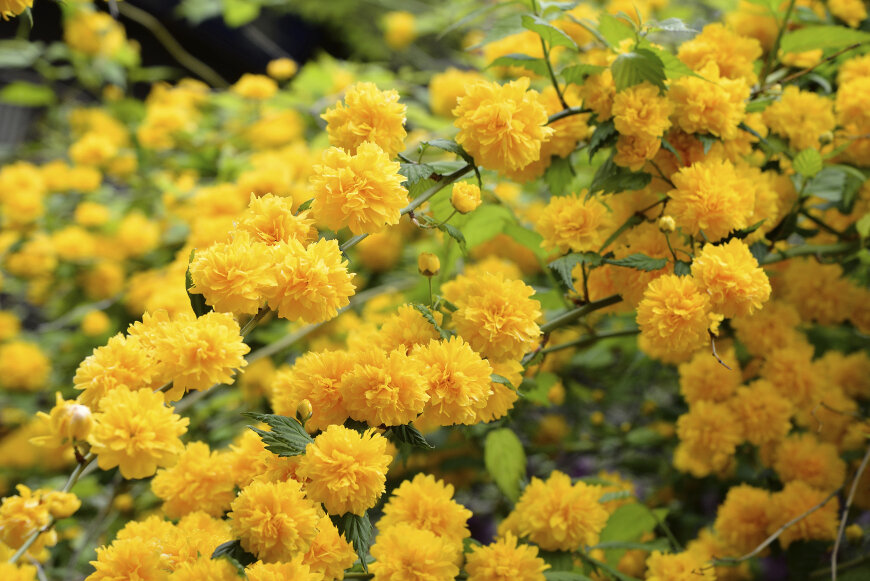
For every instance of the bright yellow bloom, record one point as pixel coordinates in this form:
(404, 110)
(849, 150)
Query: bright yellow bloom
(23, 366)
(598, 92)
(446, 88)
(502, 126)
(428, 264)
(384, 388)
(505, 560)
(711, 196)
(330, 554)
(234, 276)
(803, 457)
(282, 68)
(94, 33)
(685, 566)
(465, 197)
(574, 223)
(427, 504)
(362, 191)
(256, 87)
(710, 104)
(122, 362)
(399, 29)
(294, 570)
(559, 516)
(274, 520)
(346, 469)
(801, 116)
(406, 330)
(816, 290)
(791, 372)
(772, 327)
(269, 219)
(313, 282)
(633, 151)
(852, 12)
(11, 8)
(641, 110)
(794, 501)
(314, 377)
(67, 421)
(404, 553)
(367, 115)
(10, 324)
(709, 434)
(704, 378)
(95, 323)
(458, 381)
(200, 481)
(129, 559)
(764, 415)
(205, 568)
(731, 276)
(136, 432)
(742, 519)
(30, 510)
(735, 63)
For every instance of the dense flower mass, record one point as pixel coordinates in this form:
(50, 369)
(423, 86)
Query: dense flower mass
(367, 115)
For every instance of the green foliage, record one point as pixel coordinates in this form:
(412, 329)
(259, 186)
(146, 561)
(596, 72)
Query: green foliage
(565, 576)
(808, 162)
(427, 314)
(836, 183)
(633, 68)
(408, 434)
(287, 438)
(824, 37)
(611, 178)
(552, 35)
(576, 74)
(614, 30)
(564, 266)
(535, 65)
(453, 147)
(639, 262)
(233, 551)
(627, 524)
(357, 530)
(603, 136)
(559, 175)
(505, 461)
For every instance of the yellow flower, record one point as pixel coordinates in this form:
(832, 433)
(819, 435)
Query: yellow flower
(295, 570)
(94, 33)
(559, 516)
(11, 8)
(803, 457)
(852, 12)
(67, 421)
(711, 196)
(764, 415)
(446, 88)
(313, 282)
(128, 559)
(404, 553)
(363, 191)
(731, 276)
(137, 235)
(399, 29)
(771, 328)
(314, 377)
(30, 510)
(704, 378)
(574, 223)
(269, 219)
(816, 290)
(428, 264)
(234, 276)
(465, 197)
(674, 316)
(685, 566)
(497, 317)
(257, 87)
(384, 388)
(346, 469)
(93, 149)
(801, 116)
(795, 500)
(200, 481)
(330, 554)
(367, 115)
(282, 68)
(458, 381)
(792, 374)
(406, 330)
(502, 126)
(205, 568)
(505, 560)
(95, 323)
(136, 432)
(10, 324)
(709, 433)
(641, 110)
(427, 504)
(122, 362)
(633, 151)
(23, 366)
(274, 520)
(17, 571)
(742, 519)
(735, 63)
(710, 104)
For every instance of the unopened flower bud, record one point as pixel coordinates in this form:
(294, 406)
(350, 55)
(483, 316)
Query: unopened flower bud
(826, 137)
(282, 68)
(667, 224)
(465, 197)
(428, 264)
(304, 411)
(79, 422)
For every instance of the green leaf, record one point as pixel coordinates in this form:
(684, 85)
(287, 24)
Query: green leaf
(24, 94)
(537, 389)
(559, 175)
(627, 524)
(496, 378)
(656, 545)
(456, 234)
(415, 172)
(565, 576)
(603, 136)
(633, 68)
(453, 147)
(643, 437)
(672, 25)
(808, 162)
(613, 178)
(197, 301)
(836, 183)
(615, 495)
(744, 232)
(824, 37)
(287, 438)
(304, 206)
(564, 266)
(577, 74)
(707, 141)
(528, 238)
(614, 30)
(427, 314)
(666, 145)
(408, 434)
(357, 530)
(505, 461)
(863, 226)
(233, 551)
(19, 53)
(240, 12)
(639, 262)
(552, 35)
(560, 561)
(535, 65)
(682, 268)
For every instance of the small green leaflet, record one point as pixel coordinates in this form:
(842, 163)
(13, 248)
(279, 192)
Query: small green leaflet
(682, 268)
(416, 171)
(633, 68)
(357, 530)
(496, 378)
(456, 234)
(615, 495)
(197, 301)
(577, 74)
(559, 175)
(407, 434)
(613, 29)
(535, 65)
(547, 31)
(505, 461)
(639, 262)
(427, 314)
(613, 178)
(287, 438)
(233, 551)
(604, 135)
(453, 147)
(565, 265)
(822, 37)
(304, 206)
(808, 162)
(838, 184)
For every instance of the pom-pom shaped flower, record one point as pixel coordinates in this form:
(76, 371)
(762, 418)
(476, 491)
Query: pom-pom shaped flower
(367, 115)
(710, 104)
(502, 126)
(674, 315)
(764, 415)
(404, 553)
(794, 502)
(641, 110)
(709, 434)
(362, 191)
(330, 554)
(23, 366)
(633, 151)
(407, 329)
(384, 388)
(801, 116)
(704, 378)
(731, 276)
(293, 569)
(427, 504)
(315, 377)
(313, 282)
(735, 63)
(128, 559)
(257, 87)
(505, 560)
(559, 516)
(771, 328)
(200, 481)
(465, 197)
(136, 432)
(742, 519)
(205, 568)
(803, 457)
(269, 219)
(497, 316)
(711, 196)
(445, 89)
(459, 381)
(685, 566)
(274, 520)
(347, 470)
(573, 223)
(121, 362)
(234, 276)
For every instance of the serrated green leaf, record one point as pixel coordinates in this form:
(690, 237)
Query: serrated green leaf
(808, 162)
(415, 172)
(639, 262)
(453, 147)
(530, 63)
(408, 434)
(564, 266)
(836, 183)
(287, 438)
(672, 25)
(577, 74)
(197, 301)
(456, 234)
(744, 232)
(822, 37)
(559, 175)
(233, 551)
(552, 35)
(633, 68)
(614, 30)
(357, 530)
(613, 178)
(604, 135)
(427, 314)
(505, 461)
(682, 268)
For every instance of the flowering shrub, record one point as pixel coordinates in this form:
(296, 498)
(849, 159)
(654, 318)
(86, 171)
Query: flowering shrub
(584, 297)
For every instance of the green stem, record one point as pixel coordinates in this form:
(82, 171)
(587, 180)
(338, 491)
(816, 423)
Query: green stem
(587, 341)
(552, 74)
(806, 214)
(809, 250)
(567, 112)
(253, 321)
(569, 317)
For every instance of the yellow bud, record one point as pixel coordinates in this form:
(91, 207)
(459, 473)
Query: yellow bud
(854, 533)
(304, 411)
(428, 264)
(282, 69)
(826, 137)
(123, 502)
(667, 224)
(465, 197)
(79, 422)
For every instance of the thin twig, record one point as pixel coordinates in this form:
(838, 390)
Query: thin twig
(569, 317)
(771, 58)
(567, 112)
(552, 74)
(716, 355)
(587, 341)
(843, 520)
